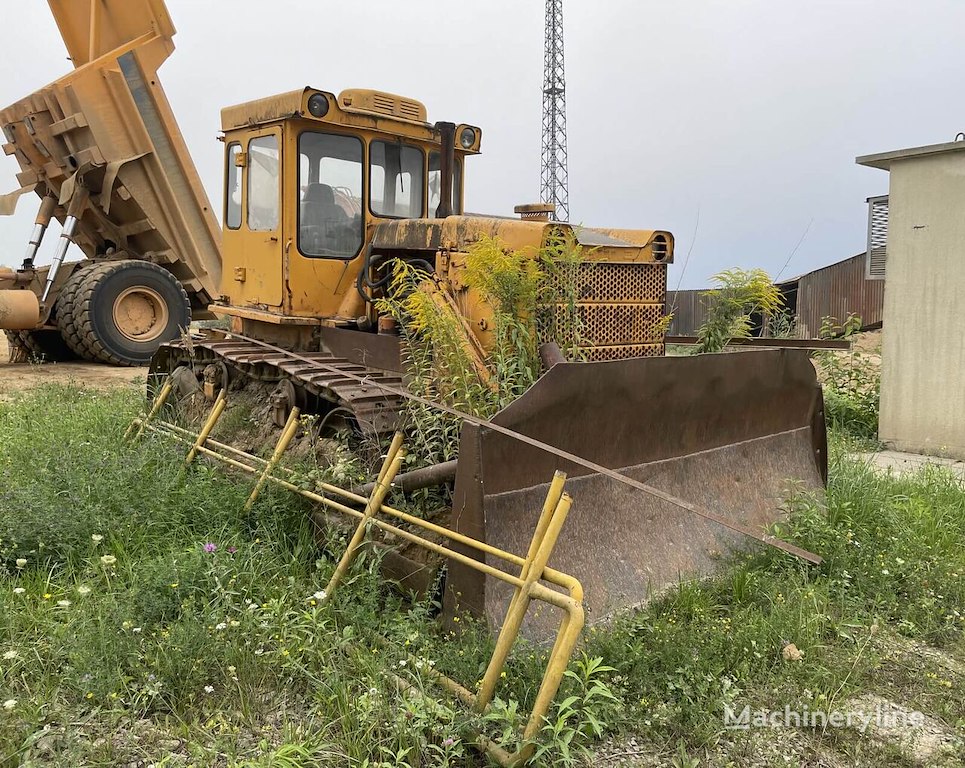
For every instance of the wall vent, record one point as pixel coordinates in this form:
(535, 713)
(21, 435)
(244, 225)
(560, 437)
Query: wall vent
(877, 237)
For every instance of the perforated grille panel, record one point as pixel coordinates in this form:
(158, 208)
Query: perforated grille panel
(607, 282)
(596, 354)
(613, 310)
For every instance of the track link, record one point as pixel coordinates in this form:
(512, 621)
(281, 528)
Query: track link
(333, 379)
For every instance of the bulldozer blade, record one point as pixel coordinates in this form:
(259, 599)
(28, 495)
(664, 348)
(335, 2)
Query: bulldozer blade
(730, 433)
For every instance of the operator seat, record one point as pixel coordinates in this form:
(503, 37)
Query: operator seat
(322, 220)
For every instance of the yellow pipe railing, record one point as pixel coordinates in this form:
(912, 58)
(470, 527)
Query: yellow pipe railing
(527, 584)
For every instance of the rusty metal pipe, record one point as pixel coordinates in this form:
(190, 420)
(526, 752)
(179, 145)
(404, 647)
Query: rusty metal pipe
(44, 215)
(550, 354)
(425, 477)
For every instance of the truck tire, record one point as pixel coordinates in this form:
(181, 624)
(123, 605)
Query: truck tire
(124, 310)
(66, 304)
(16, 352)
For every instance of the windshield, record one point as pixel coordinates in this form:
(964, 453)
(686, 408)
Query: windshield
(396, 180)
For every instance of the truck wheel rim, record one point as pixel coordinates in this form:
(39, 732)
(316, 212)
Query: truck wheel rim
(140, 314)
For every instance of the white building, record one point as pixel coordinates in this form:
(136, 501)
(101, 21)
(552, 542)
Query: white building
(923, 341)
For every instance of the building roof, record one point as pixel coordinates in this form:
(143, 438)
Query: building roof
(883, 160)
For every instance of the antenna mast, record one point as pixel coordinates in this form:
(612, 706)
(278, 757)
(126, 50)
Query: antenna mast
(555, 177)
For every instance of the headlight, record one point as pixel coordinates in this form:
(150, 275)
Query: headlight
(467, 138)
(318, 105)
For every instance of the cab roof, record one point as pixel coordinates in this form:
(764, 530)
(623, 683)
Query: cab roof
(354, 101)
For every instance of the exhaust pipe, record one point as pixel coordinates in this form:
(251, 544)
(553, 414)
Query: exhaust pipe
(447, 164)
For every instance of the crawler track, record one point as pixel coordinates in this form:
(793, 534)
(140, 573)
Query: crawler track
(375, 409)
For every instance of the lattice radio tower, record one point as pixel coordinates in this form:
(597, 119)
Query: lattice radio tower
(555, 177)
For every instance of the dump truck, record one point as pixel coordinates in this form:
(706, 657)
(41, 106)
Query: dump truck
(672, 462)
(102, 151)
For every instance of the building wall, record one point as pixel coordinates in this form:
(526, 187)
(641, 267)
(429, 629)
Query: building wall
(923, 339)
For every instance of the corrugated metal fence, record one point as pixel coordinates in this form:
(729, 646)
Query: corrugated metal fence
(837, 291)
(833, 291)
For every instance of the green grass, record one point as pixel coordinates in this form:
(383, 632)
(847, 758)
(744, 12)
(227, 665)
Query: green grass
(115, 617)
(123, 639)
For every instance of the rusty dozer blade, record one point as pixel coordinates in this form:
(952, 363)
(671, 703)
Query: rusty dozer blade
(713, 441)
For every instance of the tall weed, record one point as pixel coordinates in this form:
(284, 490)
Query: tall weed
(851, 380)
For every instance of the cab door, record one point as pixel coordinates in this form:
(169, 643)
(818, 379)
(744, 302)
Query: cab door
(253, 252)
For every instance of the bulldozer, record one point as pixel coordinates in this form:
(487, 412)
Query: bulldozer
(673, 461)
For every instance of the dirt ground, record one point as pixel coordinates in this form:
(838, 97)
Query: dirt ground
(22, 376)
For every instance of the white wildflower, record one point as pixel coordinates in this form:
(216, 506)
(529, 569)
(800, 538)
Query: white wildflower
(209, 689)
(9, 704)
(10, 655)
(64, 603)
(83, 589)
(97, 538)
(21, 562)
(220, 626)
(108, 559)
(19, 590)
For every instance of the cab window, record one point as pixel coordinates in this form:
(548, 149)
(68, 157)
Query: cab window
(232, 217)
(396, 181)
(435, 182)
(263, 190)
(330, 170)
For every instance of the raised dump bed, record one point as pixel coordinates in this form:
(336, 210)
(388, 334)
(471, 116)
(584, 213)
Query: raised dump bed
(102, 150)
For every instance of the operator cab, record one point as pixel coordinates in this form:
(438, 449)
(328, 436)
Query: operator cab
(308, 175)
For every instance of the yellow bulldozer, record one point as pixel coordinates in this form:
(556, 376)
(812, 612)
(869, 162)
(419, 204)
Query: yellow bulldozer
(672, 460)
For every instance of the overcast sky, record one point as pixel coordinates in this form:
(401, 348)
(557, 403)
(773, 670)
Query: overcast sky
(746, 114)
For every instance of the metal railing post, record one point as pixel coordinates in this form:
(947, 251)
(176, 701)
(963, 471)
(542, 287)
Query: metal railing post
(390, 468)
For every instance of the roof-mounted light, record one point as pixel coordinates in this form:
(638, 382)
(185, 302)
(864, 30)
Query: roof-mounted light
(467, 138)
(318, 105)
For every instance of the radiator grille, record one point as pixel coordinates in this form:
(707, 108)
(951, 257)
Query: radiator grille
(608, 282)
(614, 310)
(598, 354)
